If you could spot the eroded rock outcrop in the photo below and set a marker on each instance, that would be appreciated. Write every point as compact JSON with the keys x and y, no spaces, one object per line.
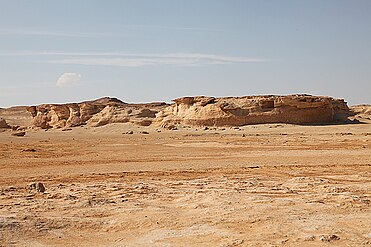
{"x":94,"y":113}
{"x":3,"y":124}
{"x":361,"y":111}
{"x":239,"y":111}
{"x":140,"y":114}
{"x":194,"y":111}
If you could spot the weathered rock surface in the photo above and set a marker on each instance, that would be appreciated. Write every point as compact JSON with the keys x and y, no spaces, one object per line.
{"x":362,"y":111}
{"x":3,"y":124}
{"x":94,"y":113}
{"x":140,"y":114}
{"x":68,"y":115}
{"x":39,"y":187}
{"x":19,"y":133}
{"x":190,"y":111}
{"x":239,"y":111}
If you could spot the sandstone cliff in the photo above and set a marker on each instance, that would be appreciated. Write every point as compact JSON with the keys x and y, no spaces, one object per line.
{"x":68,"y":115}
{"x":140,"y":114}
{"x":95,"y":113}
{"x":239,"y":111}
{"x":191,"y":111}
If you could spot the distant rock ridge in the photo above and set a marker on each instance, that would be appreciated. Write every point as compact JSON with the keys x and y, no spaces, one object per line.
{"x":191,"y":111}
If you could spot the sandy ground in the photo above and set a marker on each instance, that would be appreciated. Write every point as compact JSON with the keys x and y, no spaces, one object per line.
{"x":261,"y":185}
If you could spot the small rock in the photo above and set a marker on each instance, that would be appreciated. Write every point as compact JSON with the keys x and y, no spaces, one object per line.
{"x":29,"y":150}
{"x":206,"y":128}
{"x":19,"y":133}
{"x":172,"y":127}
{"x":346,"y":134}
{"x":310,"y":238}
{"x":328,"y":238}
{"x":284,"y":241}
{"x":144,"y":132}
{"x":130,"y":132}
{"x":39,"y":187}
{"x":15,"y":127}
{"x":66,"y":129}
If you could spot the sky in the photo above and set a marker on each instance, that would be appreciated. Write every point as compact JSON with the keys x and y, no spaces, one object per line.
{"x":158,"y":50}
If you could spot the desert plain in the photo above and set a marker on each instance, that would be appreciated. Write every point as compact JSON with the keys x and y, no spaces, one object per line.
{"x":127,"y":185}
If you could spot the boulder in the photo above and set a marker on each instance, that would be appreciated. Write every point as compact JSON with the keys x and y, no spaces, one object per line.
{"x":39,"y":187}
{"x":19,"y":133}
{"x":3,"y":124}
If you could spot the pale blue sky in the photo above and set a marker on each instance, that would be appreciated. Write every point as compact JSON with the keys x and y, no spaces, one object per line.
{"x":157,"y":50}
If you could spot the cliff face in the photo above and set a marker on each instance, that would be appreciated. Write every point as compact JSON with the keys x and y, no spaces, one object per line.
{"x":67,"y":115}
{"x":94,"y":113}
{"x":139,"y":114}
{"x":238,"y":111}
{"x":194,"y":111}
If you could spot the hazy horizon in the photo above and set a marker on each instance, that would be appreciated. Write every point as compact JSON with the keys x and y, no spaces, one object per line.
{"x":156,"y":101}
{"x":146,"y":51}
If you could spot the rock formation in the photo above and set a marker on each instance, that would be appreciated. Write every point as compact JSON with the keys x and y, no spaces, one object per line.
{"x":239,"y":111}
{"x":361,"y":111}
{"x":191,"y":111}
{"x":3,"y":124}
{"x":94,"y":113}
{"x":140,"y":114}
{"x":68,"y":115}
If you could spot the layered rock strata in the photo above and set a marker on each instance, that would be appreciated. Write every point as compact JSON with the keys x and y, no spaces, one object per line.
{"x":94,"y":113}
{"x":361,"y":111}
{"x":194,"y":111}
{"x":239,"y":111}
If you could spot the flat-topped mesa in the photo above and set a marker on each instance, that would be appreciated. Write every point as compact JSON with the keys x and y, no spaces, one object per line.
{"x":239,"y":111}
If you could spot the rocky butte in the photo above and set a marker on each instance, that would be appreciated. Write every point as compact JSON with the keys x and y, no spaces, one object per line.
{"x":190,"y":111}
{"x":239,"y":111}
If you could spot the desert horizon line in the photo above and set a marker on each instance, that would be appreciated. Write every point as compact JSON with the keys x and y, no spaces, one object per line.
{"x":174,"y":98}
